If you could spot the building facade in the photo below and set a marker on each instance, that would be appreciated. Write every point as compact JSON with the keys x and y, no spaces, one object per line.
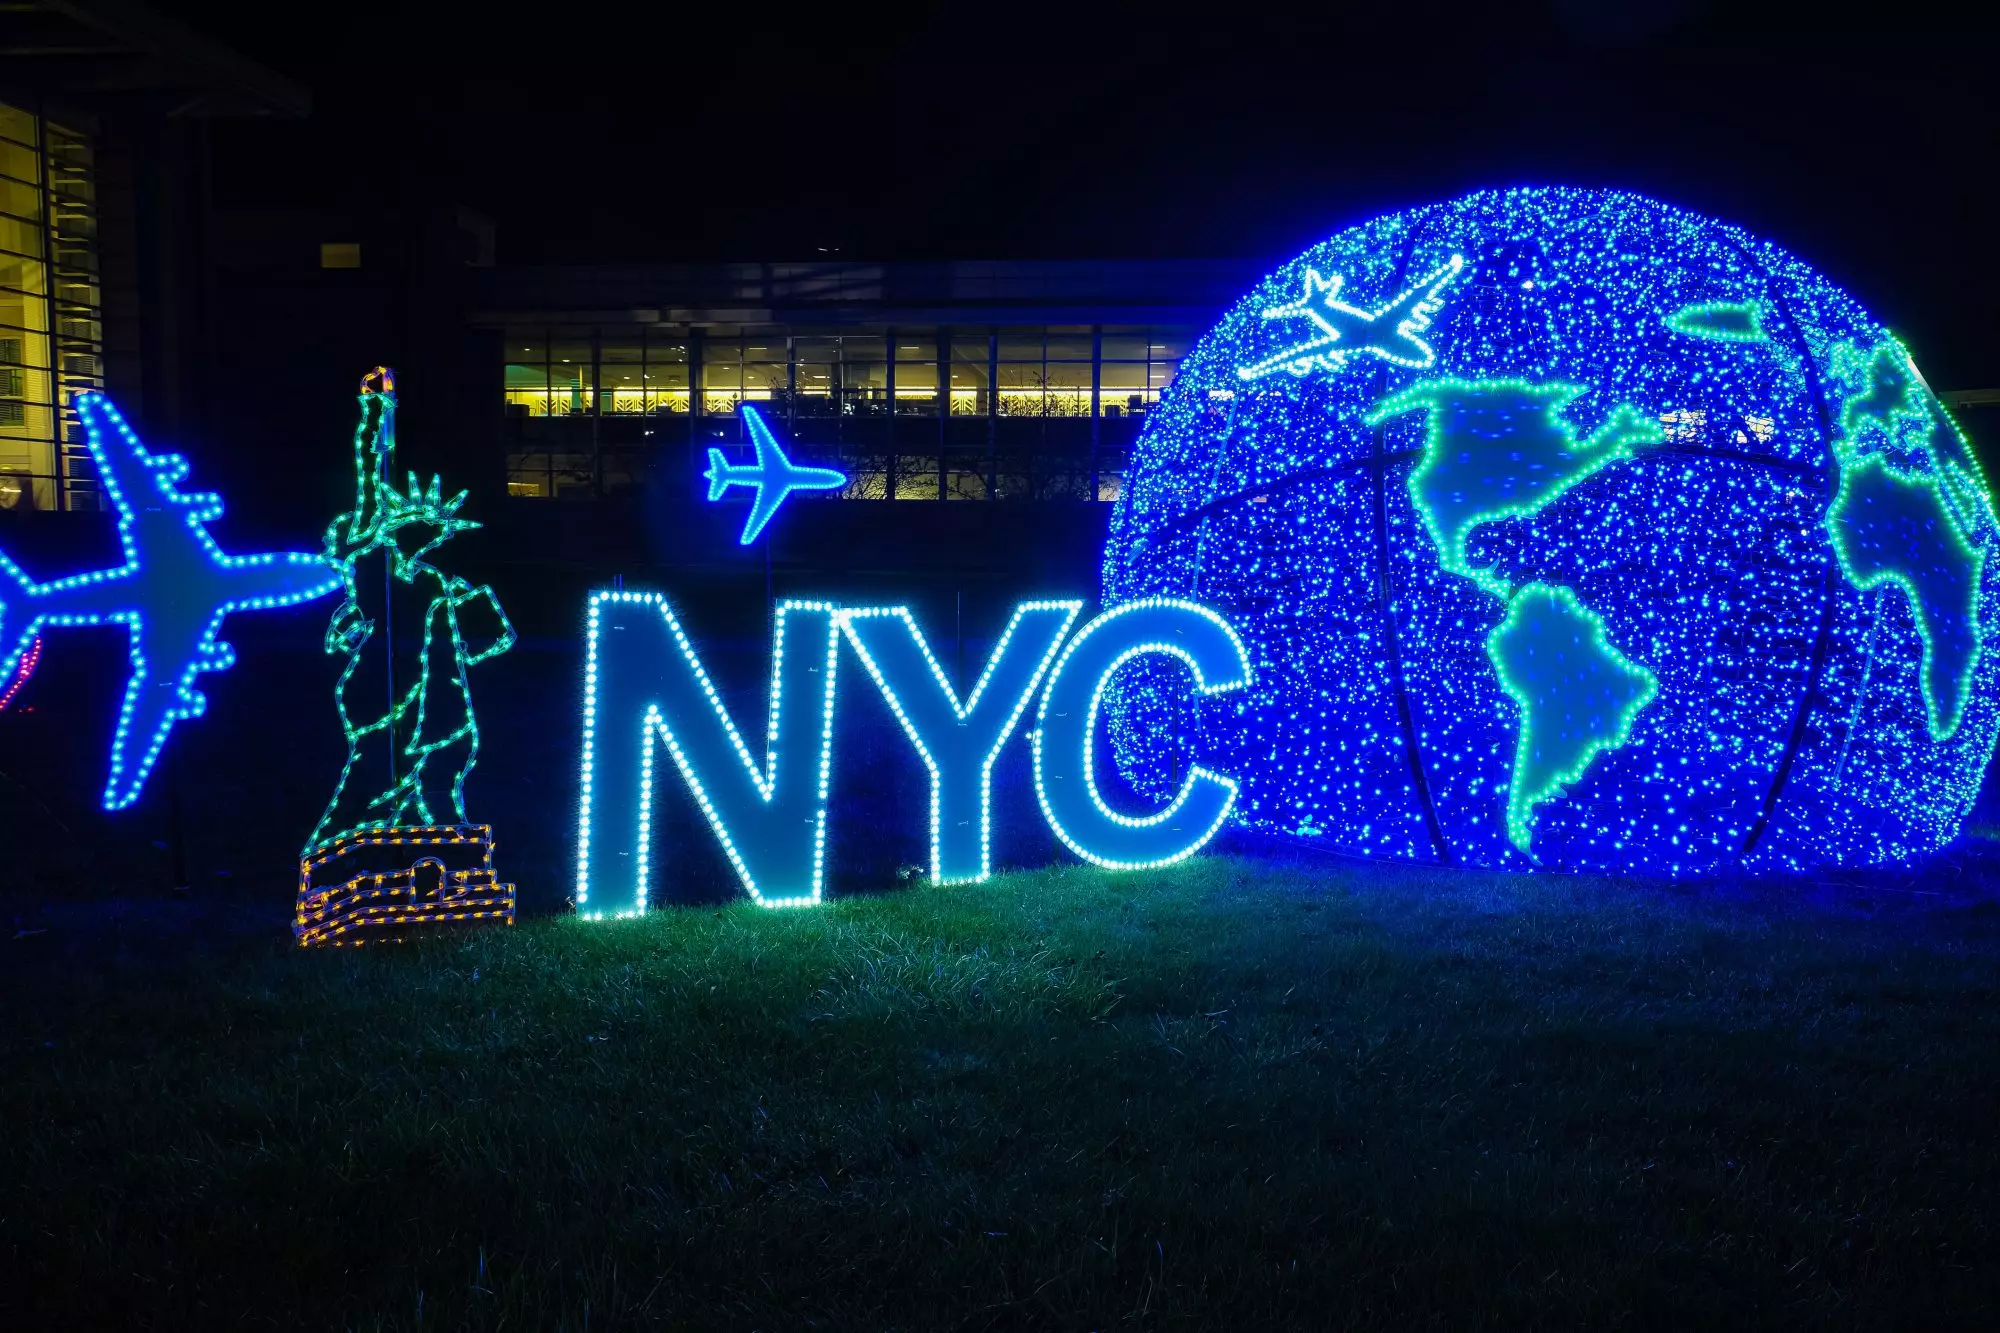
{"x":51,"y":309}
{"x":922,"y":382}
{"x":103,"y":116}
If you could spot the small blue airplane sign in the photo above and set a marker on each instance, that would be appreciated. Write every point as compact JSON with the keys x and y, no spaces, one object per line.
{"x":774,"y":476}
{"x":170,"y":593}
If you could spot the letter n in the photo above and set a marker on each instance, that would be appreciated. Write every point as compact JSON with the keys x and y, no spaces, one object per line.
{"x":645,"y":691}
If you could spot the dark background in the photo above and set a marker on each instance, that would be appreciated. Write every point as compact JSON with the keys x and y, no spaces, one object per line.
{"x":1863,"y":139}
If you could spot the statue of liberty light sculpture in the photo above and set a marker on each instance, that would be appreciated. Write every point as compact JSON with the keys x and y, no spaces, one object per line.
{"x":394,"y":849}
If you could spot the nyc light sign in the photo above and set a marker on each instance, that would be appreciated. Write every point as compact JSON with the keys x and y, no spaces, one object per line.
{"x":647,"y":698}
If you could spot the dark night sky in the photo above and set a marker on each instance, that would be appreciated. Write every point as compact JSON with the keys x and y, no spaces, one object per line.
{"x":594,"y":132}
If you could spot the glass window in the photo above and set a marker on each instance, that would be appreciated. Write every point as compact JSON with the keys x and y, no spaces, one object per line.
{"x":971,"y":377}
{"x":527,"y":374}
{"x":20,"y":312}
{"x":1067,"y":389}
{"x":1068,"y":343}
{"x":23,"y":275}
{"x":665,"y":375}
{"x":767,"y":381}
{"x":51,"y":330}
{"x":864,"y":387}
{"x":916,"y":353}
{"x":767,"y":368}
{"x":20,"y":199}
{"x":621,"y":369}
{"x":1021,"y":377}
{"x":721,"y":371}
{"x":20,"y":126}
{"x":20,"y":162}
{"x":21,"y":236}
{"x":1122,"y":342}
{"x":1122,"y":387}
{"x":975,"y":414}
{"x":916,"y":377}
{"x":1020,"y":344}
{"x":817,"y":388}
{"x":570,"y":378}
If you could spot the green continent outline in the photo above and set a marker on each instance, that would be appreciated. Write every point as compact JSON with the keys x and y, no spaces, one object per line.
{"x":1616,"y":438}
{"x":1889,"y":402}
{"x":1720,"y":321}
{"x":1548,"y":458}
{"x":1526,"y":790}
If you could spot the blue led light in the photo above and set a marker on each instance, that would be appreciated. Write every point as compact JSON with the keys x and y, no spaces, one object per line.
{"x":1638,"y":546}
{"x":171,"y":592}
{"x":773,"y":476}
{"x":959,"y":742}
{"x":1065,"y":739}
{"x":643,"y":681}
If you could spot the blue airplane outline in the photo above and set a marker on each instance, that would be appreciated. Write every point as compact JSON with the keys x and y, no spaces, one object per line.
{"x":1347,"y":330}
{"x":171,"y":593}
{"x":774,"y":475}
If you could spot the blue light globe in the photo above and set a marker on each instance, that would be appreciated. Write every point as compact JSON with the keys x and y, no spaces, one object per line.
{"x":1567,"y":529}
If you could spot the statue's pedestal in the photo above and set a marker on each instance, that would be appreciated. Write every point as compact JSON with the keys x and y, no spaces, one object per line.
{"x":387,"y":884}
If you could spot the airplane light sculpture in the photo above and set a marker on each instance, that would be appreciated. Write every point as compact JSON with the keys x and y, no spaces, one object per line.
{"x":1390,"y":331}
{"x":171,"y":592}
{"x":774,"y":475}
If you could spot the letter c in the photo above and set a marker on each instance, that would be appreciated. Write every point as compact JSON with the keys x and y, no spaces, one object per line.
{"x":1066,"y":734}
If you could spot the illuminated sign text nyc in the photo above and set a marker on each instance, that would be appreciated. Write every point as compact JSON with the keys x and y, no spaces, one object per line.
{"x":647,"y":695}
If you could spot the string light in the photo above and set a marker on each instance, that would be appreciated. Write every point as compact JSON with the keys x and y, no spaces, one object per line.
{"x":1065,"y":738}
{"x":768,"y":815}
{"x":401,"y":736}
{"x":22,"y":670}
{"x":171,"y":593}
{"x":1724,"y":321}
{"x":340,"y":905}
{"x":1497,"y":449}
{"x":1656,"y":458}
{"x":1914,"y":529}
{"x":1577,"y":695}
{"x":959,"y":742}
{"x":1389,"y":332}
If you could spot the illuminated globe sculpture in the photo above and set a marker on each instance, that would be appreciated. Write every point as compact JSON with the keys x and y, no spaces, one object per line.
{"x":1567,"y":529}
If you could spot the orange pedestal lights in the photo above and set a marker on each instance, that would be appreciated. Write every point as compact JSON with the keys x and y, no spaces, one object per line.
{"x":387,"y":884}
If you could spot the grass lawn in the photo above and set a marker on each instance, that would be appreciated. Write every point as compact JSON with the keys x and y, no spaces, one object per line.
{"x":1242,"y":1093}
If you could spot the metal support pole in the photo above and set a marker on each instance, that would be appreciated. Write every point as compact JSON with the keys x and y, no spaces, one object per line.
{"x":1096,"y":406}
{"x":889,"y":427}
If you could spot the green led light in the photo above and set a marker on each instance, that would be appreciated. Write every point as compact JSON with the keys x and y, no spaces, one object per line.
{"x":1500,"y":448}
{"x":389,"y":533}
{"x":1913,"y":529}
{"x":1720,"y":321}
{"x":1578,"y":695}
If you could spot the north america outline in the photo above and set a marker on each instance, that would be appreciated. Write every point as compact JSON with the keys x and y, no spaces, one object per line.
{"x":1581,"y":532}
